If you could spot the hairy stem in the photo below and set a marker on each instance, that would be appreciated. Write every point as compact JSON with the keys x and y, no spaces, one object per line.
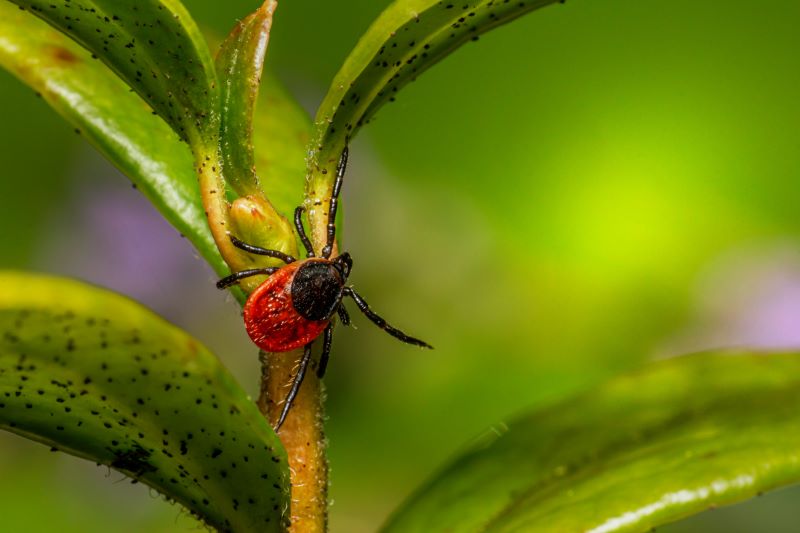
{"x":254,"y":218}
{"x":212,"y":191}
{"x":302,"y":432}
{"x":303,"y":437}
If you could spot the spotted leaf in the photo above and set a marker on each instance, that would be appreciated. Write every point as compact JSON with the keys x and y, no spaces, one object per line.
{"x":676,"y":438}
{"x":116,"y":121}
{"x":103,"y":110}
{"x":95,"y":375}
{"x":154,"y":46}
{"x":404,"y":41}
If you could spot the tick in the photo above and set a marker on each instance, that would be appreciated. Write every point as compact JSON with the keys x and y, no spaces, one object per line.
{"x":297,"y":302}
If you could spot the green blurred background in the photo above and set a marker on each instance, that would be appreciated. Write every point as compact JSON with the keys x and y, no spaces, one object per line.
{"x":593,"y":186}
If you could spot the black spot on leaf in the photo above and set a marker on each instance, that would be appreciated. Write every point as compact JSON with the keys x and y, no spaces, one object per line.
{"x":134,"y":460}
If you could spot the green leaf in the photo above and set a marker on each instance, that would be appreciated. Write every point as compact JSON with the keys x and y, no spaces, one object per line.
{"x":115,"y":120}
{"x":404,"y":41}
{"x":678,"y":437}
{"x":154,"y":46}
{"x":253,"y":217}
{"x":98,"y":376}
{"x":123,"y":128}
{"x":239,"y":63}
{"x":281,"y":132}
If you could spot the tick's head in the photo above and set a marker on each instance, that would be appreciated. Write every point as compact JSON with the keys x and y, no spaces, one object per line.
{"x":343,"y":264}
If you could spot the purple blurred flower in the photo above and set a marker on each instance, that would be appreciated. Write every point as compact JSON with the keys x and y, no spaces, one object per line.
{"x":748,"y":298}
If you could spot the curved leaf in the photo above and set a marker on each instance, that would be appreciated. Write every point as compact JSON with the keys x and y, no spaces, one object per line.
{"x":404,"y":41}
{"x":123,"y":128}
{"x":154,"y":46}
{"x":280,"y":135}
{"x":239,"y":63}
{"x":116,"y":121}
{"x":253,"y":217}
{"x":678,"y":437}
{"x":98,"y":376}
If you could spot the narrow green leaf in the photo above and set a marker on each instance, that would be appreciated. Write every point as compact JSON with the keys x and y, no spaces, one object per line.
{"x":280,"y":135}
{"x":678,"y":437}
{"x":98,"y":376}
{"x":405,"y":40}
{"x":239,"y":63}
{"x":253,"y":216}
{"x":116,"y":121}
{"x":154,"y":46}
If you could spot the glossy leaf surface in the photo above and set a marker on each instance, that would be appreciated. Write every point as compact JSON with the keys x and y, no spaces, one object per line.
{"x":676,"y":438}
{"x":96,"y":375}
{"x":154,"y":46}
{"x":104,"y":110}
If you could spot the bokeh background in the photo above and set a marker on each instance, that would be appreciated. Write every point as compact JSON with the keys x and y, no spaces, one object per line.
{"x":596,"y":185}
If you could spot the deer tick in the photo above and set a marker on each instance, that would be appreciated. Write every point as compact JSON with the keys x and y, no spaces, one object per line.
{"x":297,"y":301}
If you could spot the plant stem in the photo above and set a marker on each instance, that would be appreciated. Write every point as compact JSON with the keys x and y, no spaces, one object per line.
{"x":303,"y":437}
{"x":212,"y":191}
{"x":302,"y":432}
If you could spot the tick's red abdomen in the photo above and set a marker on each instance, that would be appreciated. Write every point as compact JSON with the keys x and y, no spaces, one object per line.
{"x":271,"y":319}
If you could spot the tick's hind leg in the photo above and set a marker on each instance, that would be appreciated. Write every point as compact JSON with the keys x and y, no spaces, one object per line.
{"x":298,"y":380}
{"x":380,"y":322}
{"x":344,"y":316}
{"x":327,"y":340}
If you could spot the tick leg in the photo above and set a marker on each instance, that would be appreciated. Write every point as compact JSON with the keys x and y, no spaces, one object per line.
{"x":298,"y":224}
{"x":380,"y":322}
{"x":298,"y":380}
{"x":337,"y":188}
{"x":343,"y":314}
{"x":233,"y":279}
{"x":327,"y":340}
{"x":261,"y":251}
